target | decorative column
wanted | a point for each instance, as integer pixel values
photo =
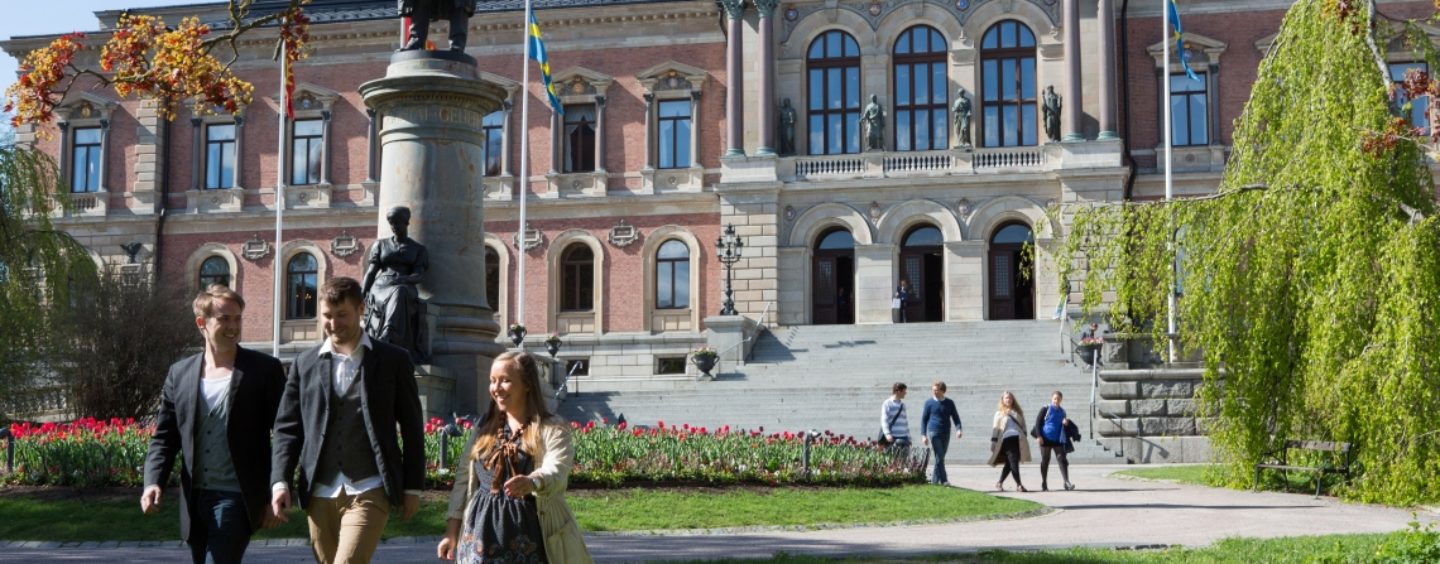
(372, 145)
(767, 76)
(695, 131)
(505, 140)
(1107, 70)
(650, 133)
(197, 131)
(557, 141)
(434, 104)
(66, 147)
(239, 151)
(325, 148)
(734, 75)
(1074, 107)
(600, 134)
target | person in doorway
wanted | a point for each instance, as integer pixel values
(893, 424)
(935, 422)
(902, 299)
(508, 504)
(1051, 435)
(1007, 444)
(215, 413)
(344, 400)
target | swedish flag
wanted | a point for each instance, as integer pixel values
(1180, 52)
(537, 52)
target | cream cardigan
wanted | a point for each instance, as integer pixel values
(563, 541)
(997, 430)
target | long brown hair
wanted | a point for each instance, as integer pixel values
(524, 366)
(1014, 406)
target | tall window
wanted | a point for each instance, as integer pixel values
(1189, 110)
(219, 156)
(580, 138)
(306, 151)
(85, 153)
(1419, 107)
(921, 91)
(833, 65)
(1007, 67)
(493, 128)
(215, 270)
(492, 278)
(577, 279)
(301, 290)
(672, 276)
(674, 133)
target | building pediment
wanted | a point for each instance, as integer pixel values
(671, 75)
(86, 105)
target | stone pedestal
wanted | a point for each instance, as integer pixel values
(725, 333)
(432, 105)
(437, 391)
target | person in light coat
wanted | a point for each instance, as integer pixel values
(1007, 440)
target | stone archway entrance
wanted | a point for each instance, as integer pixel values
(1012, 272)
(832, 280)
(922, 263)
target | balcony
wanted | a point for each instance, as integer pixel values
(918, 164)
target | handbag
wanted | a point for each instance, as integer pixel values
(881, 440)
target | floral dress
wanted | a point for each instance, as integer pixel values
(500, 528)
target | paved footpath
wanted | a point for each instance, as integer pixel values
(1104, 511)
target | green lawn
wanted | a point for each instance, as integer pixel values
(83, 516)
(1331, 548)
(1185, 473)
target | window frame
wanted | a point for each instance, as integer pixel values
(312, 143)
(577, 277)
(291, 299)
(848, 114)
(569, 152)
(675, 136)
(205, 155)
(201, 275)
(1189, 96)
(1000, 54)
(905, 107)
(93, 151)
(672, 263)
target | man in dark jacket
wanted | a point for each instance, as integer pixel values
(216, 411)
(337, 421)
(421, 12)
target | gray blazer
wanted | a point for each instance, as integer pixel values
(255, 390)
(389, 398)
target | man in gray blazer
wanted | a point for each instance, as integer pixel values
(342, 404)
(216, 411)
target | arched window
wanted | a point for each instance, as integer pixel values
(577, 279)
(833, 65)
(215, 270)
(302, 287)
(672, 276)
(924, 236)
(1007, 78)
(921, 91)
(492, 278)
(836, 240)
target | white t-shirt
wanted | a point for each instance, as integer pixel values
(214, 390)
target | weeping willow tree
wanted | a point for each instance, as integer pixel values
(39, 267)
(1312, 277)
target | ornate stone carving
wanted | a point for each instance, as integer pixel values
(734, 9)
(623, 234)
(875, 211)
(533, 238)
(766, 7)
(963, 207)
(790, 213)
(255, 249)
(344, 245)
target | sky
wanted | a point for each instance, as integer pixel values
(68, 16)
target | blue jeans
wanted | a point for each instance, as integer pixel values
(220, 531)
(939, 444)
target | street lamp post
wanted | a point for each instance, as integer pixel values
(728, 248)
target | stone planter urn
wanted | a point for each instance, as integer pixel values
(1088, 351)
(553, 347)
(706, 363)
(517, 334)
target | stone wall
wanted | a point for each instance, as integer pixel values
(1150, 415)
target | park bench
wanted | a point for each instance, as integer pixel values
(1279, 460)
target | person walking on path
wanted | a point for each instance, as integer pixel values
(508, 504)
(935, 429)
(1007, 444)
(892, 418)
(215, 412)
(344, 399)
(1052, 435)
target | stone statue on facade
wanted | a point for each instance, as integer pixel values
(1051, 107)
(421, 12)
(394, 268)
(787, 128)
(962, 110)
(874, 118)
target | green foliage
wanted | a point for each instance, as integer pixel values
(38, 266)
(1312, 279)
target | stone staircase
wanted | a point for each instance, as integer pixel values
(835, 378)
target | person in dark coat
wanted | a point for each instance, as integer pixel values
(216, 410)
(420, 12)
(343, 401)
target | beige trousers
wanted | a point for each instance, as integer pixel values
(346, 529)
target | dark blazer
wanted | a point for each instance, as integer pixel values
(389, 397)
(255, 390)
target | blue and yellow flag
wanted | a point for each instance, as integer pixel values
(537, 52)
(1180, 52)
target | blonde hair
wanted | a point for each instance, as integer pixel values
(1014, 405)
(204, 304)
(527, 368)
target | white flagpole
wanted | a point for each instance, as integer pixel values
(1169, 183)
(523, 185)
(279, 198)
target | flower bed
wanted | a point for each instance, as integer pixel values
(90, 452)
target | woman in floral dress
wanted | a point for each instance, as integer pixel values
(508, 505)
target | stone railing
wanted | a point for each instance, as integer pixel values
(1008, 159)
(830, 167)
(902, 164)
(914, 164)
